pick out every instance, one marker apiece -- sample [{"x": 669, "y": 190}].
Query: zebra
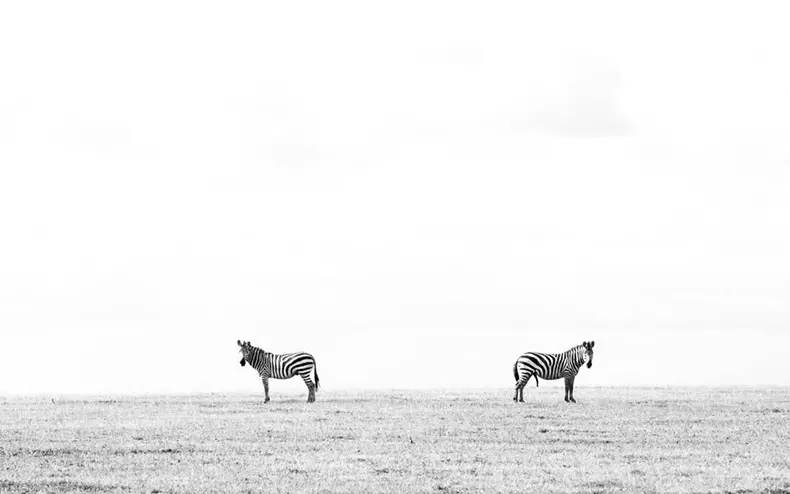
[
  {"x": 285, "y": 366},
  {"x": 552, "y": 366}
]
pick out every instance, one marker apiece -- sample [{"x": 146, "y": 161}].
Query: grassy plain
[{"x": 613, "y": 440}]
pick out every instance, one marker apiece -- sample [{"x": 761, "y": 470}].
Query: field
[{"x": 613, "y": 440}]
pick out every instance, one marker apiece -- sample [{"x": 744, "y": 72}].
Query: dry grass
[{"x": 614, "y": 440}]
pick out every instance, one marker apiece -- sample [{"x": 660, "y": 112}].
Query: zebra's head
[
  {"x": 245, "y": 351},
  {"x": 588, "y": 352}
]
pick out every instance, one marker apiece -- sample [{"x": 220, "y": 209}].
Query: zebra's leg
[
  {"x": 310, "y": 388},
  {"x": 567, "y": 388},
  {"x": 570, "y": 388},
  {"x": 310, "y": 393},
  {"x": 266, "y": 388},
  {"x": 518, "y": 379},
  {"x": 521, "y": 389},
  {"x": 522, "y": 382}
]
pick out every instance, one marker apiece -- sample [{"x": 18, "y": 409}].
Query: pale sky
[{"x": 415, "y": 192}]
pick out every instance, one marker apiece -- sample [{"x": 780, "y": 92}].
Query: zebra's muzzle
[
  {"x": 589, "y": 364},
  {"x": 242, "y": 362}
]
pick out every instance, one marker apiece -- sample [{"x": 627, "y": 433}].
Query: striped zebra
[
  {"x": 552, "y": 366},
  {"x": 285, "y": 366}
]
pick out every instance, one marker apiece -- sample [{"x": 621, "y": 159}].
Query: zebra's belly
[
  {"x": 281, "y": 376},
  {"x": 547, "y": 377},
  {"x": 553, "y": 376}
]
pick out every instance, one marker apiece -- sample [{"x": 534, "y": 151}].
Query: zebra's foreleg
[
  {"x": 570, "y": 388},
  {"x": 266, "y": 388}
]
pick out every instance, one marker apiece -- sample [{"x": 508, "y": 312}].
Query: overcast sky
[{"x": 415, "y": 192}]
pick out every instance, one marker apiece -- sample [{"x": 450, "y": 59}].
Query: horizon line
[{"x": 101, "y": 394}]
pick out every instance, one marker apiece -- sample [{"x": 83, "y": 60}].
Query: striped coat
[
  {"x": 552, "y": 366},
  {"x": 280, "y": 366}
]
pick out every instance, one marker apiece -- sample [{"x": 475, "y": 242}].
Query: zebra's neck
[
  {"x": 576, "y": 357},
  {"x": 259, "y": 358}
]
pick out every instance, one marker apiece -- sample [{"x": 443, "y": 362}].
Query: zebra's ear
[
  {"x": 238, "y": 342},
  {"x": 584, "y": 344},
  {"x": 592, "y": 344}
]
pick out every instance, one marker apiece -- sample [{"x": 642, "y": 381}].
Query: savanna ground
[{"x": 613, "y": 440}]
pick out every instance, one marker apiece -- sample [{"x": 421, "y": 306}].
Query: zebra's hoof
[{"x": 267, "y": 400}]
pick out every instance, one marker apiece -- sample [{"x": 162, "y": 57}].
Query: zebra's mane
[
  {"x": 254, "y": 350},
  {"x": 576, "y": 352},
  {"x": 255, "y": 356}
]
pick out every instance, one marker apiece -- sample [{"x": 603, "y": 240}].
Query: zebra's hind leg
[
  {"x": 518, "y": 379},
  {"x": 519, "y": 398},
  {"x": 310, "y": 387},
  {"x": 310, "y": 393}
]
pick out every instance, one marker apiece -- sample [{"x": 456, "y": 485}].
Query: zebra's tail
[
  {"x": 515, "y": 370},
  {"x": 315, "y": 371}
]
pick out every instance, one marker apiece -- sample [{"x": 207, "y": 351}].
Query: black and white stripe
[
  {"x": 552, "y": 366},
  {"x": 284, "y": 366}
]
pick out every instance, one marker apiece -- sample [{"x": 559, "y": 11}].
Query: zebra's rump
[{"x": 299, "y": 361}]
